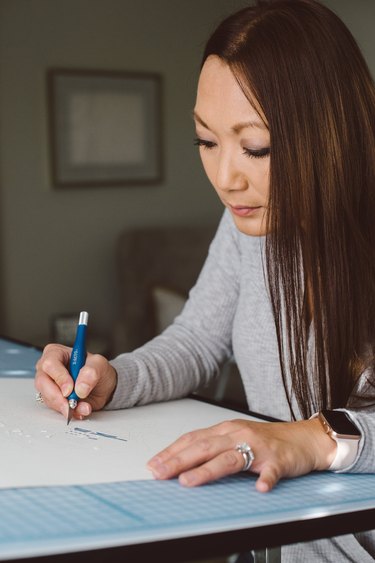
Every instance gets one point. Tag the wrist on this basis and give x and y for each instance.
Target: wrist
(341, 429)
(326, 447)
(114, 378)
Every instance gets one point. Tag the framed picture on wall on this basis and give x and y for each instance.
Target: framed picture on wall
(105, 127)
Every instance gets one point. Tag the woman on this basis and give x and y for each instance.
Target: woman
(285, 123)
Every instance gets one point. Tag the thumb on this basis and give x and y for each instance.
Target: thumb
(268, 478)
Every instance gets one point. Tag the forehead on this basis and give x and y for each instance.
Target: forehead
(220, 96)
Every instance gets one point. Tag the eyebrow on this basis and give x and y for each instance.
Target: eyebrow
(238, 127)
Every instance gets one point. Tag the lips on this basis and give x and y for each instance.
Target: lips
(244, 210)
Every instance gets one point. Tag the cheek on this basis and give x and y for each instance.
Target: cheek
(209, 166)
(262, 179)
(210, 169)
(263, 176)
(266, 190)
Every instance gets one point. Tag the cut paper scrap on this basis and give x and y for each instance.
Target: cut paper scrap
(39, 449)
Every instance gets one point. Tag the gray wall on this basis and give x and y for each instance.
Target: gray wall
(57, 246)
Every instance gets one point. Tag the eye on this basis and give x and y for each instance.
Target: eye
(205, 144)
(257, 153)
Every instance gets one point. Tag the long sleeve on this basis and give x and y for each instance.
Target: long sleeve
(189, 352)
(361, 408)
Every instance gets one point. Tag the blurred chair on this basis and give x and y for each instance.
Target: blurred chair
(150, 260)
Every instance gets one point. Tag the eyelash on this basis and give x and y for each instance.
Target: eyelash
(257, 153)
(250, 153)
(205, 144)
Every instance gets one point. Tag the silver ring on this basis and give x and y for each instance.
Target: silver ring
(247, 454)
(38, 397)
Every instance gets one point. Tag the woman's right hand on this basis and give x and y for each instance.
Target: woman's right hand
(94, 386)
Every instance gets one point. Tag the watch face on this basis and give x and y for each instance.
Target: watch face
(341, 423)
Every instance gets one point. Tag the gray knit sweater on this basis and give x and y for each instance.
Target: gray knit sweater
(229, 313)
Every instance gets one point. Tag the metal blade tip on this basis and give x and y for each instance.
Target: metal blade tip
(70, 414)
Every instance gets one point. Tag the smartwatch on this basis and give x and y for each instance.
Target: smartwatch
(340, 427)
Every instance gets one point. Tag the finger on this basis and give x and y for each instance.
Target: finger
(51, 394)
(87, 380)
(53, 363)
(226, 463)
(221, 429)
(268, 478)
(82, 410)
(96, 381)
(183, 442)
(198, 451)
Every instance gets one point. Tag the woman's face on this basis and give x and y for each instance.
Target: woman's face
(234, 145)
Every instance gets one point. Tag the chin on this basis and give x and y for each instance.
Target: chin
(251, 227)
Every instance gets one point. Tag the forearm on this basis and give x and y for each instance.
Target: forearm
(170, 366)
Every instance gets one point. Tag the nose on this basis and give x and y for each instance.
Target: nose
(229, 175)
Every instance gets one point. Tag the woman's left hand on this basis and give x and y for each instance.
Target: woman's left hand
(281, 449)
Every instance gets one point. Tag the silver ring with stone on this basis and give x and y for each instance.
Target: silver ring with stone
(247, 454)
(38, 397)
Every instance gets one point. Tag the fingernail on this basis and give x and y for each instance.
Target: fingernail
(84, 409)
(153, 461)
(82, 390)
(159, 470)
(66, 389)
(187, 479)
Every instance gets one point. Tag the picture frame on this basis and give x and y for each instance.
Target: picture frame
(104, 127)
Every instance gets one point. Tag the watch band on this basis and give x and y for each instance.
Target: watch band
(347, 448)
(345, 454)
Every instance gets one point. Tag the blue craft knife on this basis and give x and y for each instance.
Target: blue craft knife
(77, 359)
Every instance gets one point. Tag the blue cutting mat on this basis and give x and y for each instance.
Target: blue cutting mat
(17, 360)
(33, 521)
(105, 515)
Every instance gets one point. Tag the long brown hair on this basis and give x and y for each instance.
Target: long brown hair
(311, 82)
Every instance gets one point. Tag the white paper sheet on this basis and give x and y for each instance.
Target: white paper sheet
(39, 449)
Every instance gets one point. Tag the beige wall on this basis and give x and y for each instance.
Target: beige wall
(57, 246)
